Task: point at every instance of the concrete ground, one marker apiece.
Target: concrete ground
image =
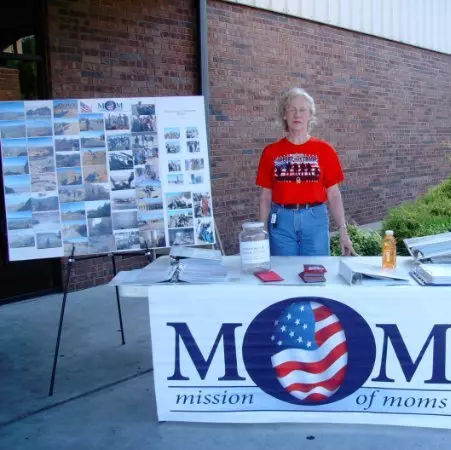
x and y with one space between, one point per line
104 391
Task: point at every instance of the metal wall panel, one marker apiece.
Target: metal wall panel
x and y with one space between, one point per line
422 23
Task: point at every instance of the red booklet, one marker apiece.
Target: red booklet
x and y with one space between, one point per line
315 278
268 275
314 269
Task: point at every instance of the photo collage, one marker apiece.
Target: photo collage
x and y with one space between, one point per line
189 214
87 173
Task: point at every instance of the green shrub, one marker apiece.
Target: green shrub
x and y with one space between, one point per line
429 214
365 242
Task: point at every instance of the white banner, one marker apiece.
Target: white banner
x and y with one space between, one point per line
287 354
105 175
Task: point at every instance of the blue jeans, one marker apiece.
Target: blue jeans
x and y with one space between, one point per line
302 232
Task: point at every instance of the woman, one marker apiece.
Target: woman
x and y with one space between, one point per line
298 175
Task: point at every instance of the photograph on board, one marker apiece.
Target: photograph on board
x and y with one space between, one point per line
18 203
71 193
146 155
40 147
97 191
119 142
146 174
91 122
175 178
193 146
172 147
12 111
43 182
180 218
74 229
65 108
39 127
181 236
117 121
194 164
93 157
67 144
120 160
21 238
150 204
49 239
123 200
145 140
204 231
175 165
19 220
192 133
125 220
152 190
12 148
99 208
102 243
44 221
144 123
15 166
73 211
152 238
122 179
202 204
38 110
91 140
66 126
100 226
95 174
16 184
150 220
80 244
12 129
196 178
179 200
172 133
127 240
67 159
44 201
143 109
70 176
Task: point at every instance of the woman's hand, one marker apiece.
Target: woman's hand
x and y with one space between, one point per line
345 243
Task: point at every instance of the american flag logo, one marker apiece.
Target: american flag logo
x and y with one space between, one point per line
311 351
84 108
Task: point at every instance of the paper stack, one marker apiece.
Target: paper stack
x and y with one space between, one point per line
433 274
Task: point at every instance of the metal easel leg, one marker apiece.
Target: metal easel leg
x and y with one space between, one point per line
118 301
70 262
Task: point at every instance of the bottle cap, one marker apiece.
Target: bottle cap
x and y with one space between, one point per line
252 225
389 232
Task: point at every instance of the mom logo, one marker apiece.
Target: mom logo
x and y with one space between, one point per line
311 350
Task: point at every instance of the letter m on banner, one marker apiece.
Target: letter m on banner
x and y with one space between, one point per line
226 333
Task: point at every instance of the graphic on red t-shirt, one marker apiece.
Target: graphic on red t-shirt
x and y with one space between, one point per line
297 167
299 173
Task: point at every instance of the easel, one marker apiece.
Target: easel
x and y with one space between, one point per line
70 262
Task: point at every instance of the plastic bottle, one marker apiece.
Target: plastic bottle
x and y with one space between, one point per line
389 250
254 248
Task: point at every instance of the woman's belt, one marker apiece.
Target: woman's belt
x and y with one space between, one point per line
300 205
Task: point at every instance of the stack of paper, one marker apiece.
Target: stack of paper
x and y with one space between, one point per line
429 247
181 251
433 274
354 272
201 271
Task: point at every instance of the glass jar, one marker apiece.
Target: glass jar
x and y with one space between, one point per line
254 248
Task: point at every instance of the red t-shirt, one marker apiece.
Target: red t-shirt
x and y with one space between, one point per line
299 173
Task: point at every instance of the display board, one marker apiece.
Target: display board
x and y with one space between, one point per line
105 175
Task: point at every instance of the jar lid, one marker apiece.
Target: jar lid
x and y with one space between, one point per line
252 225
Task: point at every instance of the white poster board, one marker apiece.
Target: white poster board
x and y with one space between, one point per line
105 175
336 354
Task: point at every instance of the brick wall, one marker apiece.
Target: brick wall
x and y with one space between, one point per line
9 84
120 48
385 106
